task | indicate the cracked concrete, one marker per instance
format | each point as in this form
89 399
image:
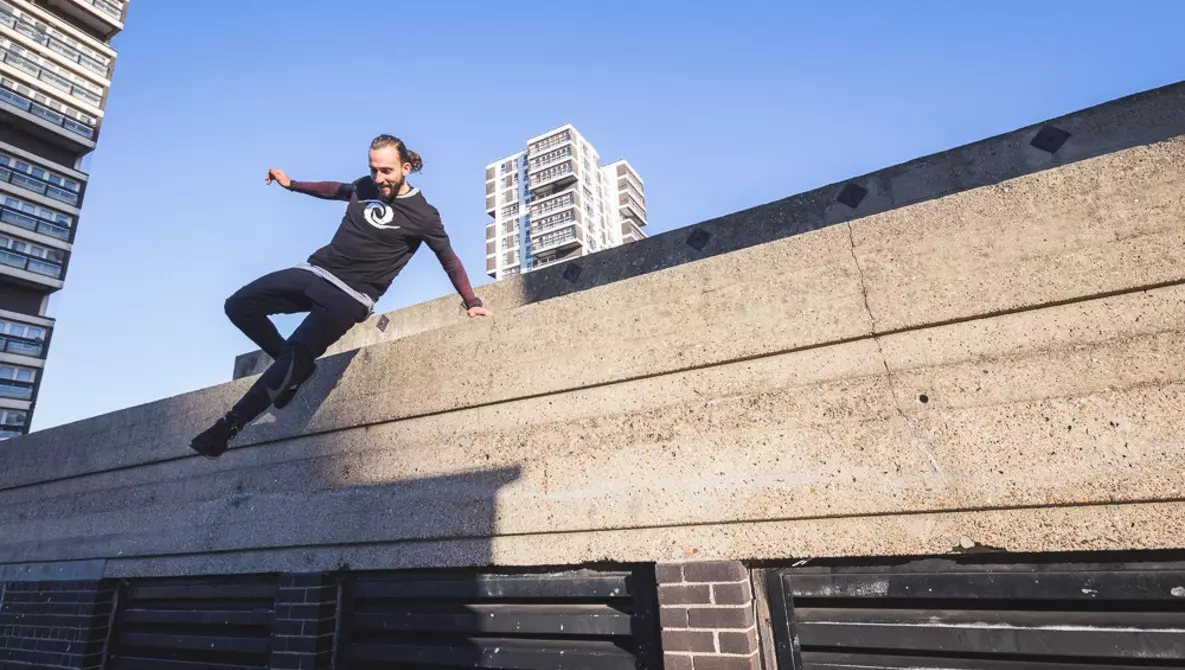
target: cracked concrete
918 443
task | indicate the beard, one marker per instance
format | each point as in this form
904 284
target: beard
394 189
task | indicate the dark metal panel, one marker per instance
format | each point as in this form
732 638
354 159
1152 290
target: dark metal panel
819 660
229 590
971 637
213 623
781 612
199 617
458 619
1084 585
206 643
499 587
132 663
503 654
594 620
986 616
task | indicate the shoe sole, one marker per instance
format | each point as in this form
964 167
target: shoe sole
203 454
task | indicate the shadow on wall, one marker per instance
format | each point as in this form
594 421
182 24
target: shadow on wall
343 503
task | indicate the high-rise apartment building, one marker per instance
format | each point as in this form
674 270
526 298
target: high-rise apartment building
56 64
555 202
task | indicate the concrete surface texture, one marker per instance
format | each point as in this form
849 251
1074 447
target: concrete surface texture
996 366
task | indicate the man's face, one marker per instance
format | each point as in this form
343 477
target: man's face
387 171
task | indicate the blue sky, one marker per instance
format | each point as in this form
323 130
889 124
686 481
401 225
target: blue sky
719 110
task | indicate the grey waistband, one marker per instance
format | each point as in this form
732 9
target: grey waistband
332 279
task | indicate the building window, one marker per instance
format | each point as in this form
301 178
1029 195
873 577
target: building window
31 257
55 39
50 73
33 178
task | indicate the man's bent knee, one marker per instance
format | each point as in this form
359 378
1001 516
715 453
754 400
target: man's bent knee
236 306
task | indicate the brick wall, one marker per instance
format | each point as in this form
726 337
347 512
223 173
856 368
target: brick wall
707 616
54 624
302 636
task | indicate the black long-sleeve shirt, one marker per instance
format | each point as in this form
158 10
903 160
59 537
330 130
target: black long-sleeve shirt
376 239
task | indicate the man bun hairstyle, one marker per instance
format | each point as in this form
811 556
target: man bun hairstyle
405 155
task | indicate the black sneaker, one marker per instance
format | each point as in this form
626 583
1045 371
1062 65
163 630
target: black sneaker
284 397
214 441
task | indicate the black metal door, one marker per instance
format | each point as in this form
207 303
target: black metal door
193 624
939 614
583 619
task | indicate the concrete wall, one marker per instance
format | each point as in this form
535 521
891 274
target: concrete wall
999 366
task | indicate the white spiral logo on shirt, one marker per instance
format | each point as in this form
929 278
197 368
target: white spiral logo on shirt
378 214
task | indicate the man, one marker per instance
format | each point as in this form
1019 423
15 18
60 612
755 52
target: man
385 222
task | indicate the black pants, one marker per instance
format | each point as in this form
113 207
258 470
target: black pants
332 312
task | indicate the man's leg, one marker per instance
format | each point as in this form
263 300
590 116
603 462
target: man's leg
281 292
332 315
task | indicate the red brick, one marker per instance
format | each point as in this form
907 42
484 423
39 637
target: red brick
740 618
673 617
688 640
673 662
715 571
727 662
668 573
732 594
738 643
685 595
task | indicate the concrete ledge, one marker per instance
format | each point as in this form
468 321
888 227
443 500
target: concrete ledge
1042 239
978 365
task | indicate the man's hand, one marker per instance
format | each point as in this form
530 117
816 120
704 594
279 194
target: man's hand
478 311
278 175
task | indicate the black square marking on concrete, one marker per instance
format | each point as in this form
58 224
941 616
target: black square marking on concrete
699 239
1050 139
382 323
572 273
852 195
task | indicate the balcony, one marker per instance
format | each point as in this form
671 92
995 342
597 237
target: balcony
628 182
549 158
38 267
103 17
554 178
554 204
16 390
551 142
32 178
43 70
58 41
20 346
33 223
560 239
630 207
17 102
554 221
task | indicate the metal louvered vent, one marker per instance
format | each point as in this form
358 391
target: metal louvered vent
194 624
585 619
937 614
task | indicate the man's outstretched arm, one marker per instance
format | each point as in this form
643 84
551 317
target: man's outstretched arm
438 241
326 190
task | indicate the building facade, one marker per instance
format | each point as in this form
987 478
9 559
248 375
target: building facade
555 201
56 64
